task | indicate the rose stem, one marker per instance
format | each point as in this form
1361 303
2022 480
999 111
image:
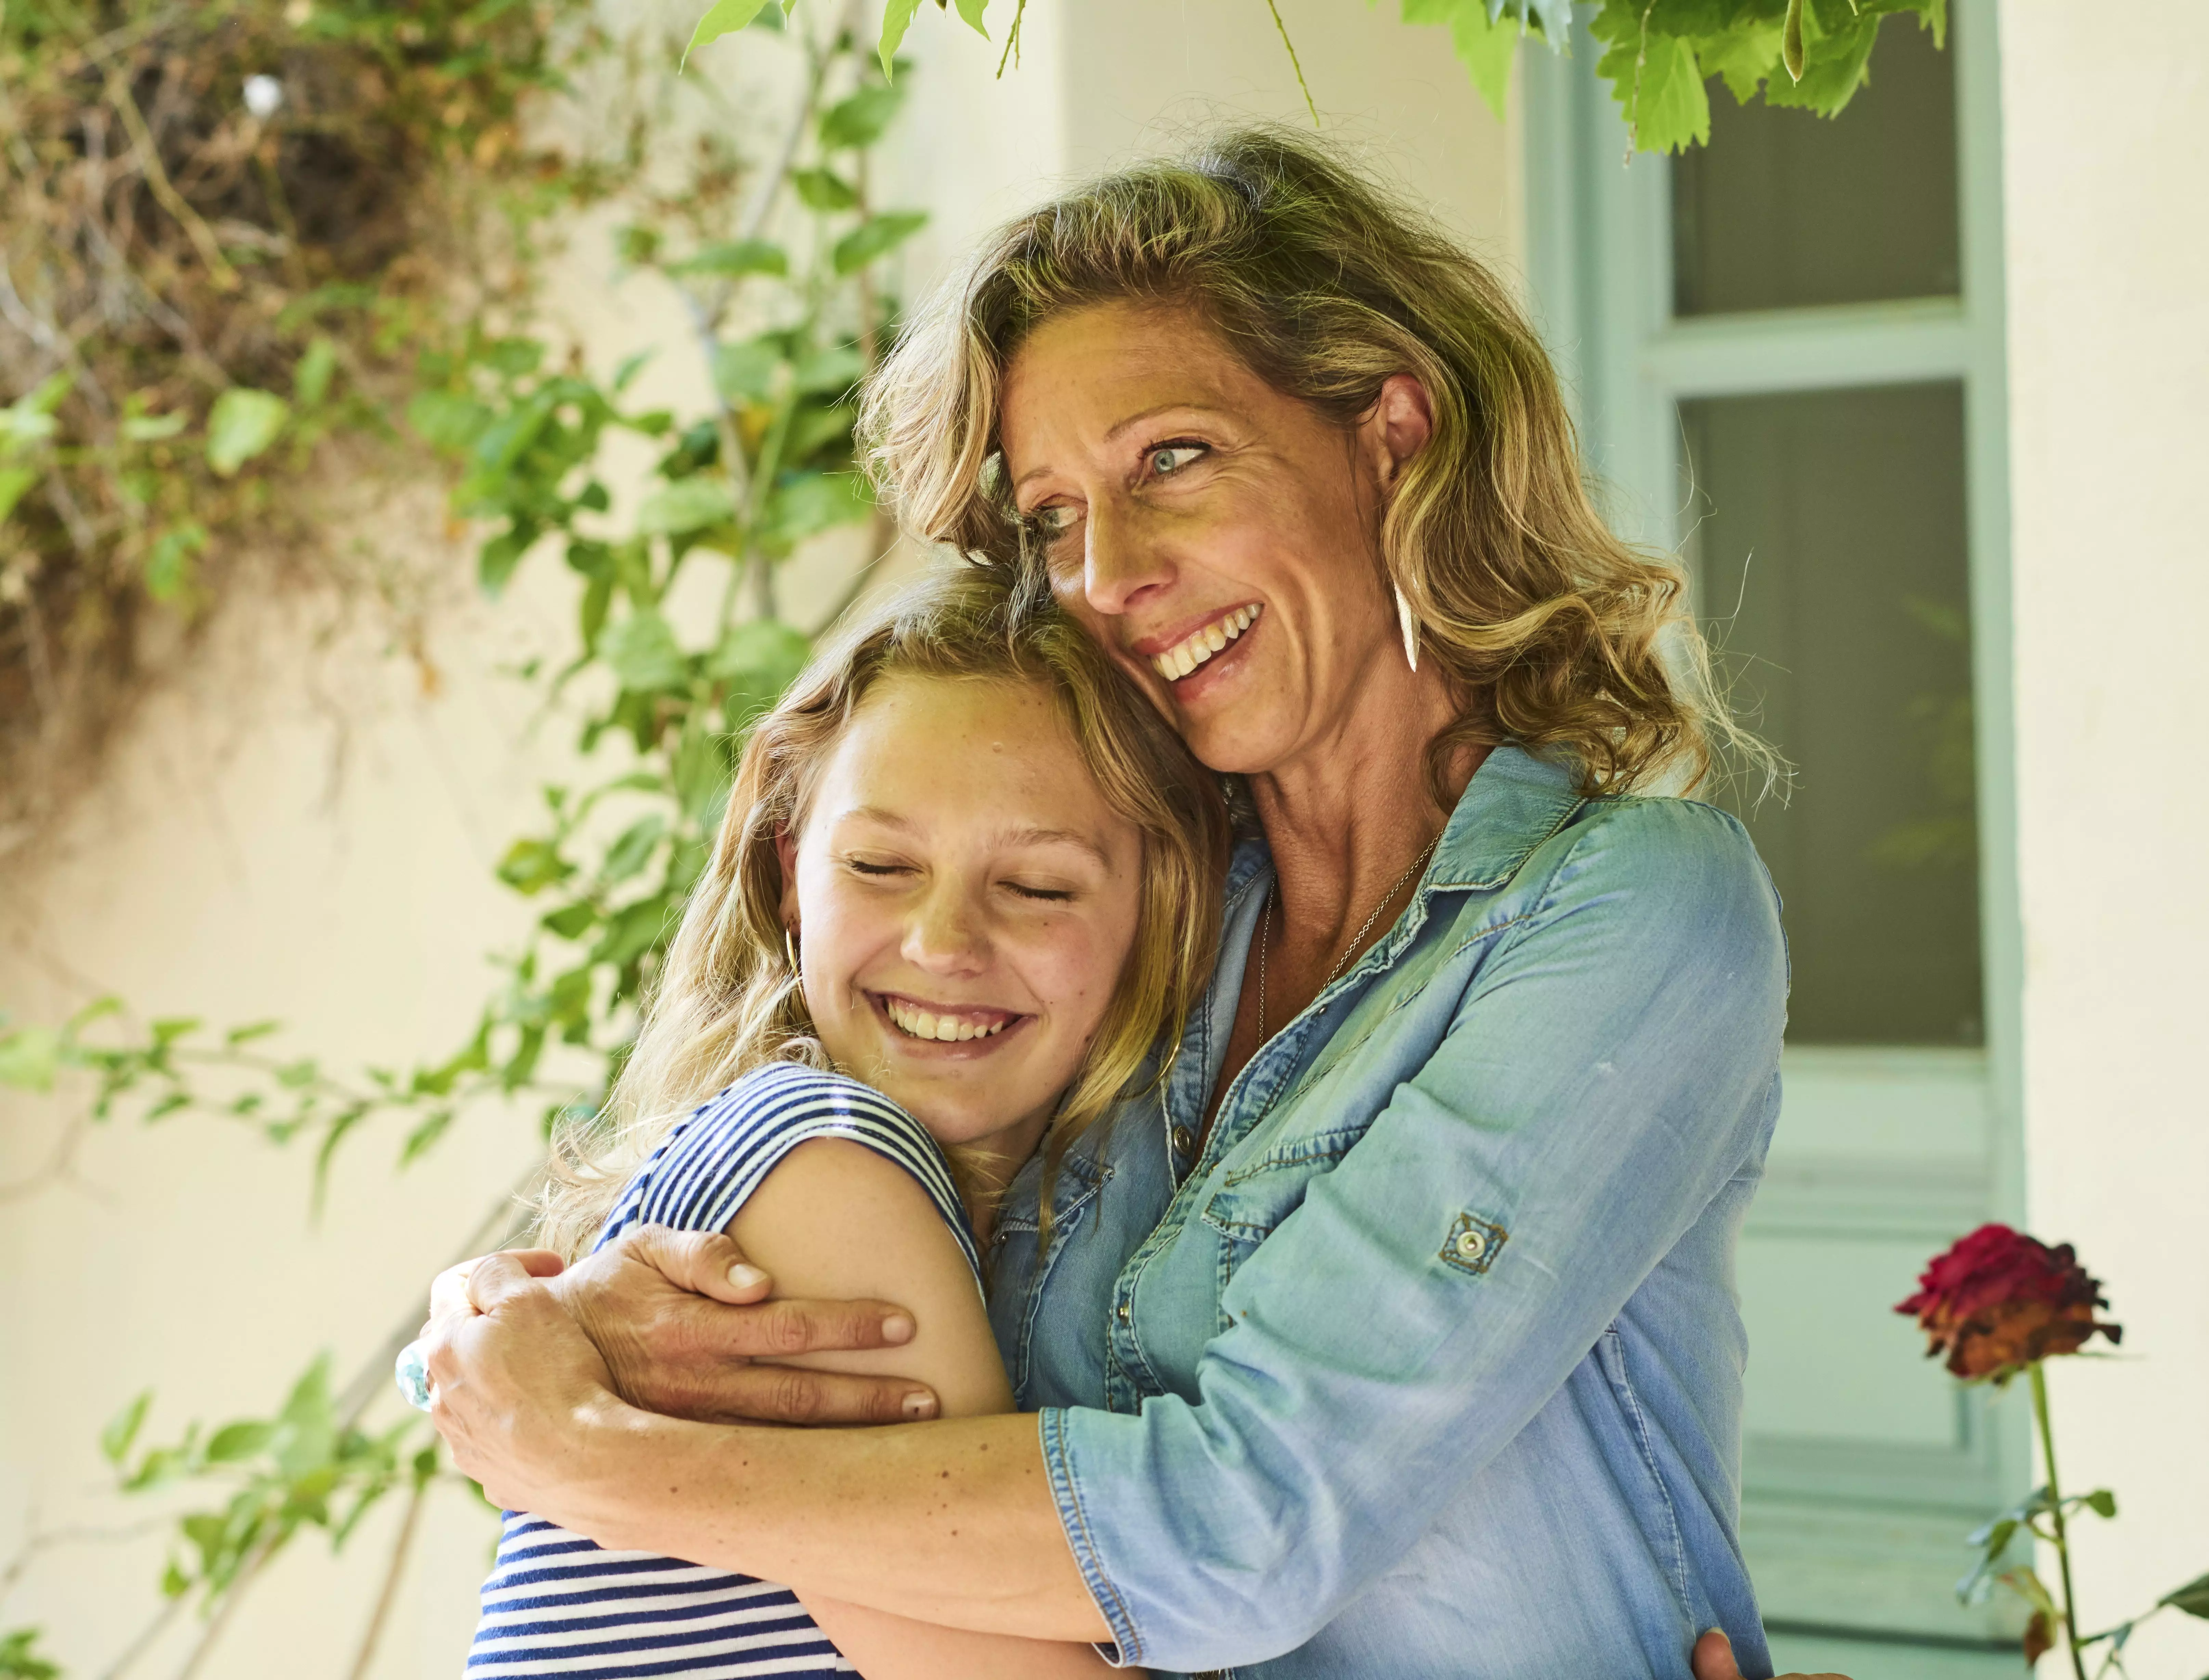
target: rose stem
2056 1505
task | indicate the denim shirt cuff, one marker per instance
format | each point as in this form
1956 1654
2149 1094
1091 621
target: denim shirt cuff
1127 1649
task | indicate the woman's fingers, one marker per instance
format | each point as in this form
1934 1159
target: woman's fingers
706 1263
449 1290
1714 1660
675 1328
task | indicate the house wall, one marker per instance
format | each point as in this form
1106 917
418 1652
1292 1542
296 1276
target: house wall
2109 363
306 830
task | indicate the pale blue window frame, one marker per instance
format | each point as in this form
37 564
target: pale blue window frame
1599 263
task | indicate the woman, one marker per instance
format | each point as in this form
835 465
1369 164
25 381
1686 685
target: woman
1391 1332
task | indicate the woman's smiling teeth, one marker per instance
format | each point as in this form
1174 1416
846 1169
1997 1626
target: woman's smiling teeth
1184 657
914 1022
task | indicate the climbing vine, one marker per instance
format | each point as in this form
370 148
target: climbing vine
772 246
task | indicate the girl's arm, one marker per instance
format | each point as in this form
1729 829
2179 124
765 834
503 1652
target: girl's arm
838 1219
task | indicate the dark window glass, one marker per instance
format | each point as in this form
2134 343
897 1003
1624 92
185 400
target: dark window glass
1784 209
1830 563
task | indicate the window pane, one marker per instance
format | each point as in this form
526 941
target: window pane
1782 208
1830 565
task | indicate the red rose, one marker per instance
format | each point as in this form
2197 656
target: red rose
1998 1301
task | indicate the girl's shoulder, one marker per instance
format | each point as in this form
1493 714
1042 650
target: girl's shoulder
714 1159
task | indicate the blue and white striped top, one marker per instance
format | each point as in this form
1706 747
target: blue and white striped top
556 1603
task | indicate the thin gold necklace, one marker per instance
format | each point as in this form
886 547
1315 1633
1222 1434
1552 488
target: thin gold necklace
1266 931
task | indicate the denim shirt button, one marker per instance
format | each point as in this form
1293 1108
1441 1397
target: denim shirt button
1184 1141
1471 1244
1122 1310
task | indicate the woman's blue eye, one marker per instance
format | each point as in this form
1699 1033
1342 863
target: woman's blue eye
1169 459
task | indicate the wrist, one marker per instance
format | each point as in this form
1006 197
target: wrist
615 1456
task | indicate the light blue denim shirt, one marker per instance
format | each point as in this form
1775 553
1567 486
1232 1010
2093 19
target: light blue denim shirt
1430 1364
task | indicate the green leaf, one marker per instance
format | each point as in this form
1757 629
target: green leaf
971 10
629 853
816 501
498 559
515 357
756 660
876 236
250 1031
30 418
823 190
631 366
745 372
243 423
1837 42
2193 1597
13 480
571 921
858 120
152 428
2101 1502
732 258
1790 41
837 368
29 1057
1656 81
897 18
531 866
687 505
723 17
168 561
233 1441
1485 46
643 653
310 380
18 1661
114 1441
1745 53
448 420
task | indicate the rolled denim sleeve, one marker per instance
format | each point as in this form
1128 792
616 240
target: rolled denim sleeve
1607 1069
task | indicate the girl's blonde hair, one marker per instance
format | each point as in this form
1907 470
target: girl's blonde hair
726 999
1325 285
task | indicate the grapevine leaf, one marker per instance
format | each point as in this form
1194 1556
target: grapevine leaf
243 423
1657 82
723 17
1485 46
1745 54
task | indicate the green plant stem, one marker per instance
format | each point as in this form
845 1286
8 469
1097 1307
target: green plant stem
2056 1503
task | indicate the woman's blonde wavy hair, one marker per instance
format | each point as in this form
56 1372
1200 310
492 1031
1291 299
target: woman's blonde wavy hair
1325 285
727 1000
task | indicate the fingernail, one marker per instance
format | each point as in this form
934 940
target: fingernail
920 1406
897 1327
746 1277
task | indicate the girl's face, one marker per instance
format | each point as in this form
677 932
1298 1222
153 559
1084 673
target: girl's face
965 900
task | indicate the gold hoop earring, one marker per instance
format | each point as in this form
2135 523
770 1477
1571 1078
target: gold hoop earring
789 948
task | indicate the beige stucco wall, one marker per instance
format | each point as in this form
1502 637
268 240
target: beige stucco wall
2109 342
303 831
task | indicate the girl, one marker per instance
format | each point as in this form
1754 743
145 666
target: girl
963 886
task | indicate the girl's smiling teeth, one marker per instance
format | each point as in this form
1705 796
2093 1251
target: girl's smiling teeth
948 1027
1185 656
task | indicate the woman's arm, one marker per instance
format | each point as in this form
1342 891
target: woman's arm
838 1219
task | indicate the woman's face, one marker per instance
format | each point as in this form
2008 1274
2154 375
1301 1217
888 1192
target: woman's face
1218 538
965 900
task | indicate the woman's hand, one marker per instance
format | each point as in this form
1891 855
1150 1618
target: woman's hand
512 1377
1714 1660
684 1326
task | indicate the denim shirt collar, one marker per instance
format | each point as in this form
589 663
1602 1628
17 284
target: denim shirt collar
1514 801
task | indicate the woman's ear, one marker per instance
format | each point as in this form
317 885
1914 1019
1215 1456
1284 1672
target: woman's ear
1398 425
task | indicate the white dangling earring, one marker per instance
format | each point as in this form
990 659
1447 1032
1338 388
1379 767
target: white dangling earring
1409 626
